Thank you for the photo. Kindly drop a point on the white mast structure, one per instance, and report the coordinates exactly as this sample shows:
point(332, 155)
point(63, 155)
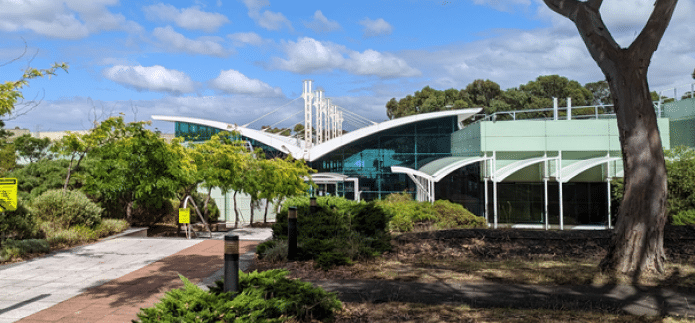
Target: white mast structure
point(308, 99)
point(328, 120)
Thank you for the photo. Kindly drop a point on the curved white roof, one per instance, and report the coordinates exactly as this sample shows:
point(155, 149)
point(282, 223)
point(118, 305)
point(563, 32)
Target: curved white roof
point(322, 149)
point(294, 147)
point(284, 144)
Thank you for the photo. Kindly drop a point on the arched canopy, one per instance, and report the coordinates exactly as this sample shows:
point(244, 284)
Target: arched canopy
point(514, 167)
point(569, 172)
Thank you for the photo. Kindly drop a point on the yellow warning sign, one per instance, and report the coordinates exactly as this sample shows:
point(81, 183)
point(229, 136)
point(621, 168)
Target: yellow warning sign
point(184, 215)
point(8, 194)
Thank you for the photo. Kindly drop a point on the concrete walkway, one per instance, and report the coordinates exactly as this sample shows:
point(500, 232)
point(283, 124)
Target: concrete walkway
point(109, 280)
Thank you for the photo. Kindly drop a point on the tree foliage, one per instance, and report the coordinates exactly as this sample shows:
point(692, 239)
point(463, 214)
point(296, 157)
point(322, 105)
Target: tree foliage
point(137, 169)
point(33, 149)
point(537, 94)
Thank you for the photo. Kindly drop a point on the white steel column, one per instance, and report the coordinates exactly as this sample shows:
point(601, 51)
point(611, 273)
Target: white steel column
point(485, 175)
point(308, 106)
point(329, 120)
point(319, 103)
point(558, 176)
point(608, 186)
point(555, 109)
point(545, 191)
point(494, 187)
point(569, 108)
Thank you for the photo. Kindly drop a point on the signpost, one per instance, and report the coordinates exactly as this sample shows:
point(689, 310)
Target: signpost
point(185, 218)
point(8, 194)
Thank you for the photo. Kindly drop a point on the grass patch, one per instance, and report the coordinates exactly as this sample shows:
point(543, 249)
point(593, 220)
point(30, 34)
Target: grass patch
point(57, 237)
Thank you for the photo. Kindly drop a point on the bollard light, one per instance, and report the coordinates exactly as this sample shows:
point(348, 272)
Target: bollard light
point(292, 233)
point(313, 206)
point(231, 263)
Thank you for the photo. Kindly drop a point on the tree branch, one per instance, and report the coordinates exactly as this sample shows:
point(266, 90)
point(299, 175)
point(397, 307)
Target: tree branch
point(567, 8)
point(648, 40)
point(594, 4)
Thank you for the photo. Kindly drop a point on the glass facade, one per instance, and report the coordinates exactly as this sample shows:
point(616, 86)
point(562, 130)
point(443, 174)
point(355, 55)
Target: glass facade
point(370, 159)
point(414, 145)
point(195, 132)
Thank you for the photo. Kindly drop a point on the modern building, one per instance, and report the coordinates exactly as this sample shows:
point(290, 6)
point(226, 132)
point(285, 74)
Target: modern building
point(535, 168)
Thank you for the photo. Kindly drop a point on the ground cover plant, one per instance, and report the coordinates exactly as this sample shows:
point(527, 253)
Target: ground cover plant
point(263, 297)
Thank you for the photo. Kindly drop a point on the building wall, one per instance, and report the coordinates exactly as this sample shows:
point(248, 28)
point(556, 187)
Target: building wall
point(578, 140)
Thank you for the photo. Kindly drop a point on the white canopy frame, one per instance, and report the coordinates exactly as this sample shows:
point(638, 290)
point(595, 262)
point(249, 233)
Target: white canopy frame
point(334, 179)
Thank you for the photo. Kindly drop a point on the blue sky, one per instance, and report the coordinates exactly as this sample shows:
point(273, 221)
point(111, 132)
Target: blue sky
point(234, 61)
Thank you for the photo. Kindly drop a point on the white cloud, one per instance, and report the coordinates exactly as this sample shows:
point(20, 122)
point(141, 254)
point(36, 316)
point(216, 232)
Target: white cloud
point(373, 28)
point(309, 55)
point(321, 23)
point(189, 18)
point(233, 82)
point(243, 39)
point(371, 62)
point(170, 39)
point(266, 19)
point(150, 78)
point(67, 19)
point(503, 5)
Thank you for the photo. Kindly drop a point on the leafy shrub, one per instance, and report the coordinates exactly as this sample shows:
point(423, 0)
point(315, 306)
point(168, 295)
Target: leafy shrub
point(370, 219)
point(455, 216)
point(339, 232)
point(17, 248)
point(273, 250)
point(18, 224)
point(405, 214)
point(680, 168)
point(67, 208)
point(264, 297)
point(149, 215)
point(59, 236)
point(685, 217)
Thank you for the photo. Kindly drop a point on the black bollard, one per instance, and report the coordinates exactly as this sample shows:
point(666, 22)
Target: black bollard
point(313, 206)
point(231, 263)
point(292, 233)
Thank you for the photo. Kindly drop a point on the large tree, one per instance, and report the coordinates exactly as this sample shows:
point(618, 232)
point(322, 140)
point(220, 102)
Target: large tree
point(637, 242)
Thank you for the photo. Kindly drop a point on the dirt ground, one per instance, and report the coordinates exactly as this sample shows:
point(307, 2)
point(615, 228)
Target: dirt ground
point(506, 254)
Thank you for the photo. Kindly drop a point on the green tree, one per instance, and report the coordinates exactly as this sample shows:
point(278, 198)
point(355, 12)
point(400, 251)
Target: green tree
point(600, 92)
point(221, 162)
point(637, 242)
point(78, 146)
point(138, 169)
point(10, 95)
point(33, 149)
point(546, 87)
point(482, 92)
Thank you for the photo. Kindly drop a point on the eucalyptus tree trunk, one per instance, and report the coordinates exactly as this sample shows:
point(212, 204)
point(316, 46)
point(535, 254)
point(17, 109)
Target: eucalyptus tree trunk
point(637, 242)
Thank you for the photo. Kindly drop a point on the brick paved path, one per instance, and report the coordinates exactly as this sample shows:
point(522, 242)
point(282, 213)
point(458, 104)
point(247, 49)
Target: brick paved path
point(121, 299)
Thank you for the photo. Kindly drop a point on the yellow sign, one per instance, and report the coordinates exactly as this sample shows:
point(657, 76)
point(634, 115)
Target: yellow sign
point(184, 215)
point(8, 194)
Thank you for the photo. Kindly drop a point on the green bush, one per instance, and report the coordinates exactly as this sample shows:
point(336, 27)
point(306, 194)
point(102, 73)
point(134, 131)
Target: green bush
point(264, 297)
point(18, 224)
point(339, 232)
point(405, 214)
point(685, 217)
point(16, 248)
point(67, 208)
point(59, 236)
point(455, 216)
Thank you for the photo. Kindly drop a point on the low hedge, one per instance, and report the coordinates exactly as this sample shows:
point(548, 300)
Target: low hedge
point(267, 296)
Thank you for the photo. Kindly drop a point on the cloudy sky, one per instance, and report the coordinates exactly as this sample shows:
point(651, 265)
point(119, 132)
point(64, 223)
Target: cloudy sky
point(236, 60)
